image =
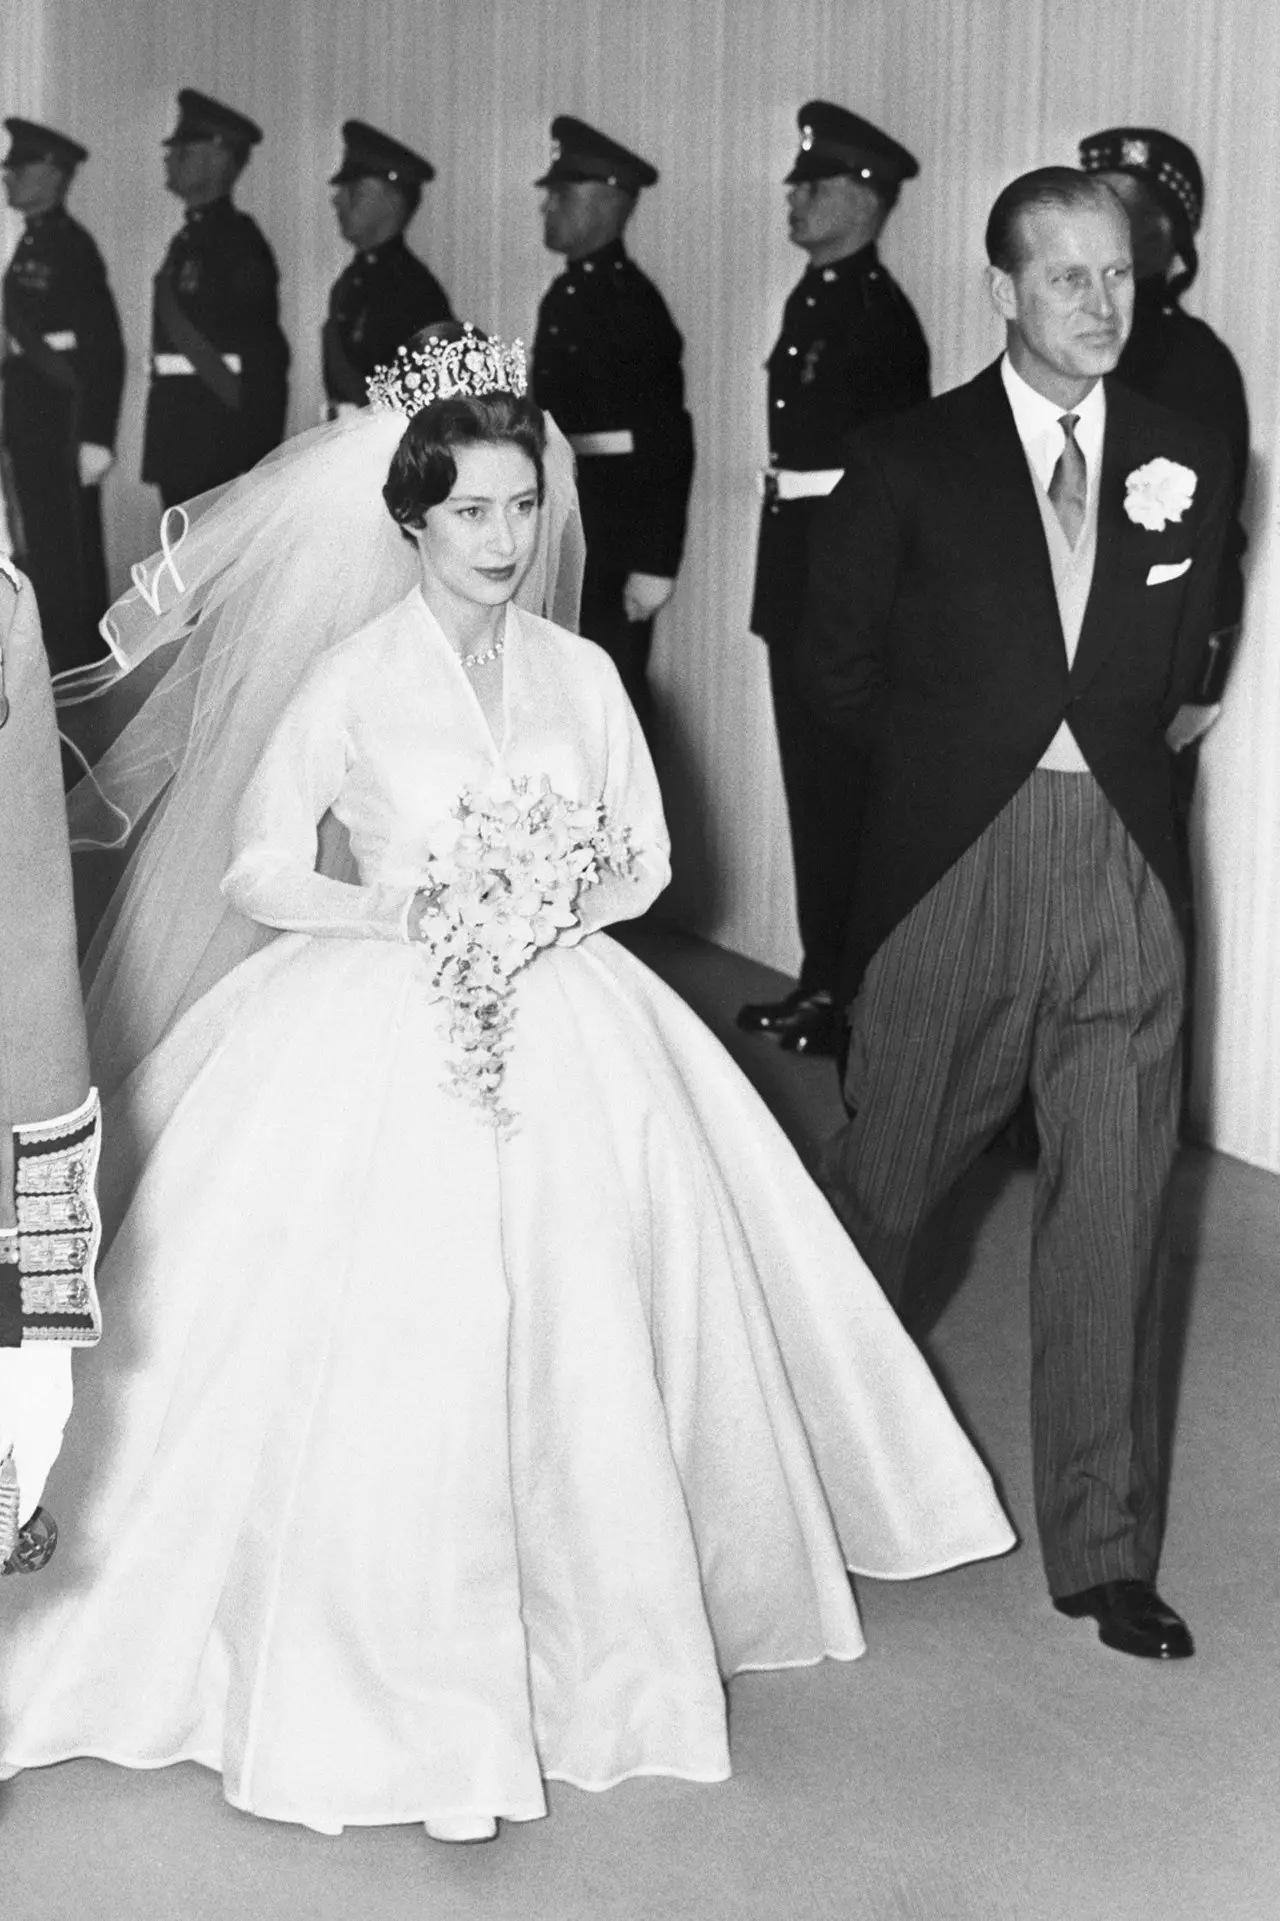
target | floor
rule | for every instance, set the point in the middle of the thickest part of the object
(986, 1761)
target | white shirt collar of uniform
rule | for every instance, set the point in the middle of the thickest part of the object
(1037, 421)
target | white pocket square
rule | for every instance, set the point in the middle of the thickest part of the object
(1166, 570)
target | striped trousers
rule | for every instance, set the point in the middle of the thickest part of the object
(1048, 956)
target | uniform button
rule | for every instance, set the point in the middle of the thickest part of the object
(828, 274)
(553, 330)
(810, 301)
(874, 274)
(779, 403)
(571, 289)
(588, 266)
(793, 350)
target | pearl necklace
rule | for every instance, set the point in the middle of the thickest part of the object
(485, 655)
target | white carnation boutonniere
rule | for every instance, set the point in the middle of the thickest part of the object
(1158, 492)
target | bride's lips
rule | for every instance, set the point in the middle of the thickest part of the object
(497, 573)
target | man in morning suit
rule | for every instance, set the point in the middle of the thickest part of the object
(606, 364)
(851, 349)
(63, 378)
(219, 362)
(1011, 590)
(384, 294)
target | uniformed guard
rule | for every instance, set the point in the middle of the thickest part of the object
(385, 294)
(219, 362)
(607, 366)
(49, 1121)
(63, 377)
(1175, 358)
(1172, 356)
(851, 348)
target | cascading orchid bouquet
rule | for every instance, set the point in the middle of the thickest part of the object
(504, 873)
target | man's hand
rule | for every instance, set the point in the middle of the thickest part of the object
(1188, 724)
(644, 594)
(95, 462)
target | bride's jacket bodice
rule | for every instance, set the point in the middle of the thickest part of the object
(386, 732)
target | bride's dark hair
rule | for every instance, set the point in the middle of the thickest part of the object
(423, 469)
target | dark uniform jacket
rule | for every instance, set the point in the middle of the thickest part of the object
(223, 275)
(379, 300)
(933, 635)
(1175, 359)
(56, 396)
(606, 357)
(851, 349)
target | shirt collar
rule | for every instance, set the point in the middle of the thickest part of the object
(1037, 421)
(849, 265)
(211, 210)
(385, 250)
(612, 254)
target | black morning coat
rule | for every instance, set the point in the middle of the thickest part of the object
(606, 358)
(1174, 358)
(933, 638)
(224, 276)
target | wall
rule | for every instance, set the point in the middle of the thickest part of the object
(980, 89)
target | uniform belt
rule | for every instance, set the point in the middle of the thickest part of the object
(791, 483)
(164, 364)
(615, 440)
(61, 343)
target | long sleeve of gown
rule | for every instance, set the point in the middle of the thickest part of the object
(632, 800)
(272, 877)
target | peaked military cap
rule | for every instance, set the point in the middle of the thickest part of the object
(367, 152)
(200, 118)
(1164, 164)
(834, 141)
(579, 152)
(28, 142)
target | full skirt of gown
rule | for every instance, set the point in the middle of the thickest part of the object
(418, 1465)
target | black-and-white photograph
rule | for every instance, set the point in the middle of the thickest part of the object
(639, 907)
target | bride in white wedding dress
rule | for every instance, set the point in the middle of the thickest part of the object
(425, 1460)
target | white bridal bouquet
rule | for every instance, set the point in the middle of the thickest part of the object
(503, 878)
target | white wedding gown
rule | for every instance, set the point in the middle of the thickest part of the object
(418, 1465)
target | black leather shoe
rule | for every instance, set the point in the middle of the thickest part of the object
(1131, 1617)
(815, 1028)
(770, 1017)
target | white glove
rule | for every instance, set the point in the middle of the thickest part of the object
(644, 594)
(95, 462)
(1188, 724)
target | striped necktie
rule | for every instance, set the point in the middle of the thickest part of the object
(1069, 483)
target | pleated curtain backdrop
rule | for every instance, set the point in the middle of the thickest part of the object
(979, 89)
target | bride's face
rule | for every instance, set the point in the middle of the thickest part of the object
(478, 543)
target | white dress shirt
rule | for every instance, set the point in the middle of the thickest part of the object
(1038, 423)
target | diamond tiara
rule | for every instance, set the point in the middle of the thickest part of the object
(440, 369)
